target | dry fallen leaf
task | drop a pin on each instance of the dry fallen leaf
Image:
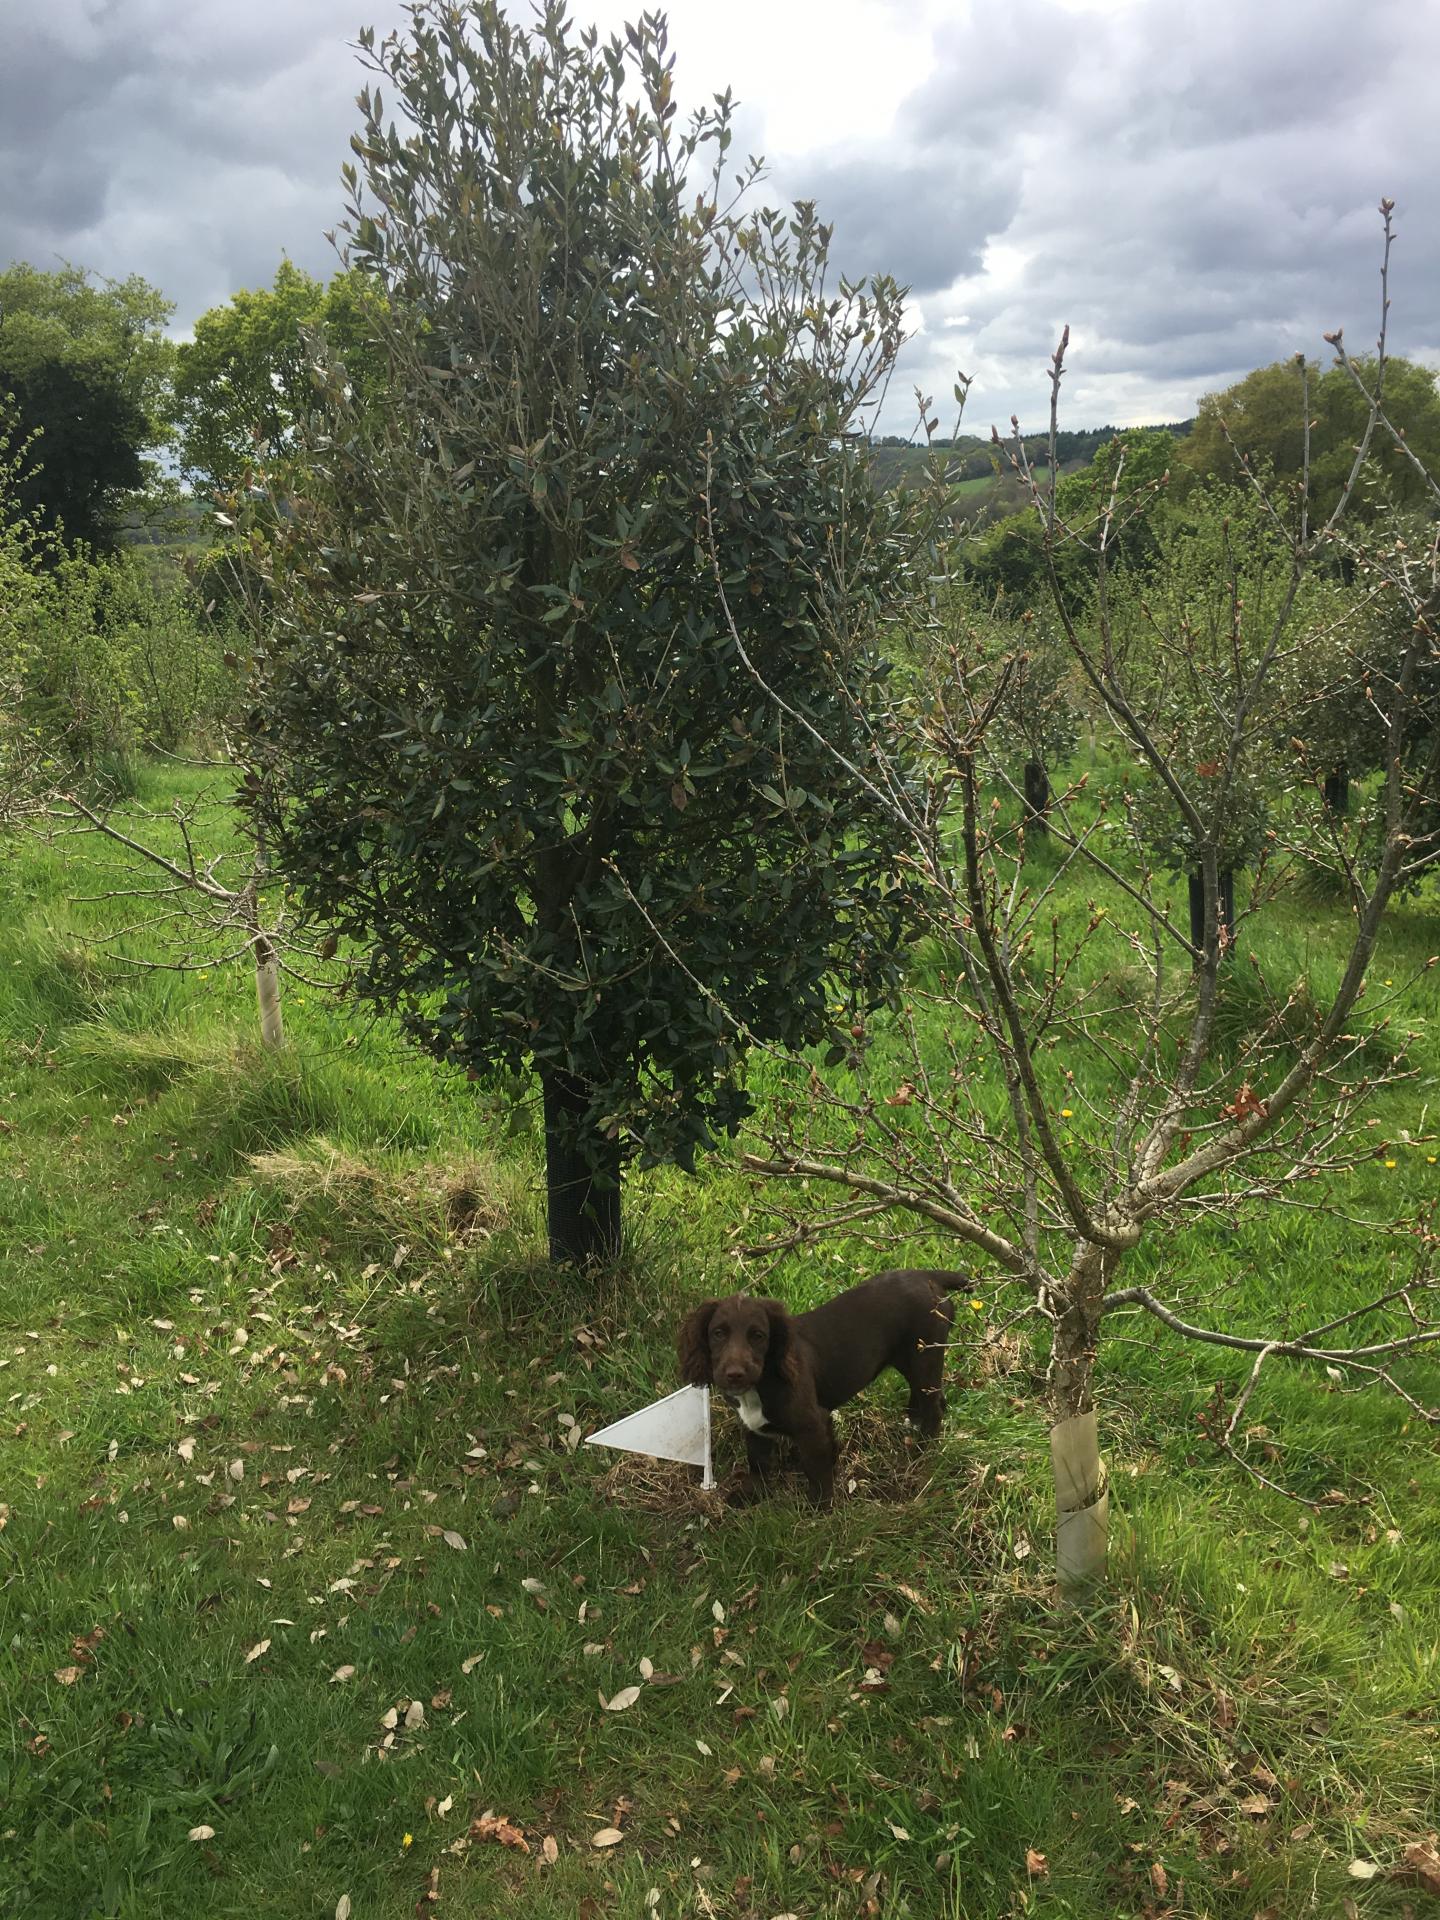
(414, 1715)
(236, 1470)
(444, 1807)
(340, 1674)
(342, 1907)
(201, 1833)
(626, 1697)
(550, 1847)
(1363, 1870)
(607, 1837)
(186, 1448)
(900, 1833)
(1159, 1879)
(492, 1826)
(469, 1666)
(67, 1676)
(260, 1646)
(1036, 1865)
(1420, 1866)
(453, 1539)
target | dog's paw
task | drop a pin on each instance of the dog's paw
(744, 1490)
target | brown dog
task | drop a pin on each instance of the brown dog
(785, 1372)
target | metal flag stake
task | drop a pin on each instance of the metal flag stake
(675, 1428)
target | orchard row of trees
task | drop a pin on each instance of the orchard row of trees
(619, 724)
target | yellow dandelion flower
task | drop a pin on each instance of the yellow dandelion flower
(1066, 1113)
(408, 1841)
(1390, 1163)
(977, 1306)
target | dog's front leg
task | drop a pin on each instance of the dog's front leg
(816, 1447)
(762, 1454)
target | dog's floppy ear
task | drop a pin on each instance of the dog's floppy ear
(780, 1354)
(693, 1343)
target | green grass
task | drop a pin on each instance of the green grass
(885, 1714)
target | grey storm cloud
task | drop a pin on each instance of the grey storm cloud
(1191, 187)
(194, 152)
(1198, 197)
(904, 218)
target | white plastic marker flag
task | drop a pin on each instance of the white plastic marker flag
(675, 1428)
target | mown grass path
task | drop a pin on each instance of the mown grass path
(298, 1548)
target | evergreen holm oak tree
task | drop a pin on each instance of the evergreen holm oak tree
(576, 820)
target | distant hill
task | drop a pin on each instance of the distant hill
(985, 483)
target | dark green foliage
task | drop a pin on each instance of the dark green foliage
(1125, 479)
(243, 380)
(1264, 416)
(526, 768)
(1008, 569)
(88, 366)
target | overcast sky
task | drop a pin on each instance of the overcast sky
(1191, 186)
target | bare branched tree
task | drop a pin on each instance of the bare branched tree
(1060, 1086)
(201, 908)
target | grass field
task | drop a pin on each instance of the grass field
(310, 1604)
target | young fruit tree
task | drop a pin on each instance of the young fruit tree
(201, 906)
(1073, 1072)
(520, 758)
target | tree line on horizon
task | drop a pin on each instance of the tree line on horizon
(112, 421)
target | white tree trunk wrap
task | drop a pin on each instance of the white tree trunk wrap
(1082, 1502)
(267, 992)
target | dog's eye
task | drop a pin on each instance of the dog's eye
(720, 1333)
(758, 1336)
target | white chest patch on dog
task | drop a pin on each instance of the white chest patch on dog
(751, 1412)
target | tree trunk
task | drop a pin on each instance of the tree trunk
(267, 992)
(1037, 799)
(1082, 1500)
(1224, 906)
(1337, 790)
(583, 1189)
